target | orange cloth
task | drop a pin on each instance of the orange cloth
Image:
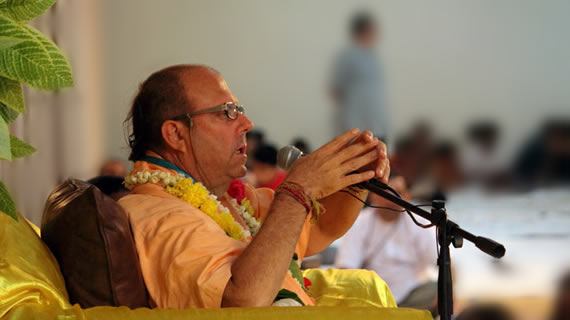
(185, 256)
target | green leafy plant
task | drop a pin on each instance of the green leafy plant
(26, 57)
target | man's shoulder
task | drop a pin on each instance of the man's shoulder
(144, 209)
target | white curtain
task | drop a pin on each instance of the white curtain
(64, 126)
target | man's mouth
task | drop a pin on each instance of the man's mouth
(241, 150)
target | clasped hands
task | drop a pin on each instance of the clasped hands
(348, 159)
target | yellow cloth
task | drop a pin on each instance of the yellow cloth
(28, 271)
(31, 287)
(349, 288)
(185, 256)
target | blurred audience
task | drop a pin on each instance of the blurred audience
(480, 157)
(357, 83)
(445, 170)
(561, 310)
(387, 241)
(545, 159)
(264, 168)
(113, 167)
(111, 186)
(486, 312)
(254, 138)
(302, 144)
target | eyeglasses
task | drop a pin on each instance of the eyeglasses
(231, 110)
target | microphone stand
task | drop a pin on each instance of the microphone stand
(448, 232)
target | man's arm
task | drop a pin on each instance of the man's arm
(257, 274)
(262, 266)
(342, 211)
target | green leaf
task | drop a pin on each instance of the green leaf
(19, 148)
(11, 94)
(7, 113)
(5, 152)
(24, 10)
(286, 294)
(36, 61)
(7, 42)
(7, 205)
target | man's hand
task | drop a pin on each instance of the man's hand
(330, 168)
(381, 167)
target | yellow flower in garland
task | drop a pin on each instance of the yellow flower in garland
(247, 205)
(195, 194)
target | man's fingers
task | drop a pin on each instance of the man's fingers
(340, 141)
(359, 162)
(355, 178)
(386, 173)
(355, 150)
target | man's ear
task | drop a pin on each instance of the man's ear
(173, 134)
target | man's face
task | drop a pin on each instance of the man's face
(218, 143)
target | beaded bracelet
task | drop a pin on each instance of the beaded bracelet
(297, 192)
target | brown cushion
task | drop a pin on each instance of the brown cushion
(90, 236)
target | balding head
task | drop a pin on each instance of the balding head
(165, 94)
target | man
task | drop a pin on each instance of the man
(357, 85)
(187, 126)
(389, 243)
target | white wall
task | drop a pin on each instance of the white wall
(506, 60)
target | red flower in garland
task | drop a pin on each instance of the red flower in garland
(237, 190)
(308, 283)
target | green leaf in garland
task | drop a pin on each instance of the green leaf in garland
(7, 42)
(7, 205)
(5, 152)
(286, 294)
(19, 148)
(11, 94)
(7, 114)
(24, 10)
(36, 61)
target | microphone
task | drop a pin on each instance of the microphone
(288, 154)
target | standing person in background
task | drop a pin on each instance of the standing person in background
(357, 84)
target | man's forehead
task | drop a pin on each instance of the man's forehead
(206, 88)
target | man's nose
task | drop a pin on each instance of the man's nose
(245, 124)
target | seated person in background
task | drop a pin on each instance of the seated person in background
(110, 185)
(302, 145)
(388, 242)
(255, 139)
(199, 246)
(544, 159)
(264, 167)
(114, 168)
(481, 160)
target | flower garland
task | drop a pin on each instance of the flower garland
(195, 194)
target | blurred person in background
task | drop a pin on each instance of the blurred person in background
(113, 167)
(480, 160)
(302, 144)
(357, 84)
(388, 242)
(264, 168)
(561, 310)
(445, 171)
(110, 185)
(254, 138)
(545, 160)
(412, 159)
